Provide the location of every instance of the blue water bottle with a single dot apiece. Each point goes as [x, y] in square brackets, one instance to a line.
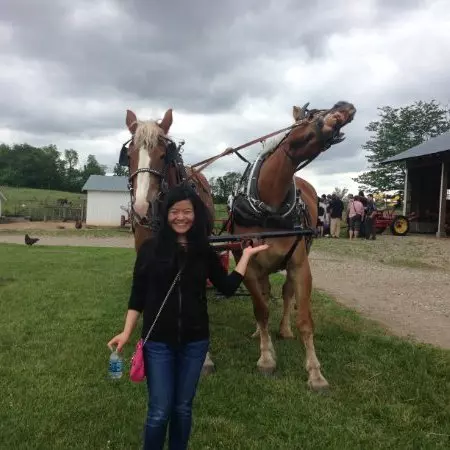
[115, 365]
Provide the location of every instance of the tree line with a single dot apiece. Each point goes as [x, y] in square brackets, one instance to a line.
[24, 165]
[396, 130]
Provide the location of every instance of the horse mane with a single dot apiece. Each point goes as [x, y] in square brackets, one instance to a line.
[147, 134]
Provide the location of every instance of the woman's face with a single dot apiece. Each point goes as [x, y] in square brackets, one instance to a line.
[181, 216]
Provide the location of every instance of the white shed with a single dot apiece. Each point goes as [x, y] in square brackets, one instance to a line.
[2, 199]
[105, 196]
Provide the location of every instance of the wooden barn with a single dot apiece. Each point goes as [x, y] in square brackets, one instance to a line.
[105, 197]
[427, 187]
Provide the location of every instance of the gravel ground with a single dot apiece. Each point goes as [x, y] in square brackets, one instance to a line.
[411, 302]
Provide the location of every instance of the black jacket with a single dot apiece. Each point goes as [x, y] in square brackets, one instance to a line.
[337, 208]
[184, 317]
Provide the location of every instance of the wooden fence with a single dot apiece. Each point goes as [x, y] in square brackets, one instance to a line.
[48, 212]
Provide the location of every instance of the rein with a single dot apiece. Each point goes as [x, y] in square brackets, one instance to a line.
[206, 162]
[230, 150]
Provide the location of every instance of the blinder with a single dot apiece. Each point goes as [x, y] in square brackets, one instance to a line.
[171, 152]
[124, 161]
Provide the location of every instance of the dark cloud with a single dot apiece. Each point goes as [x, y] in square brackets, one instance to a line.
[71, 69]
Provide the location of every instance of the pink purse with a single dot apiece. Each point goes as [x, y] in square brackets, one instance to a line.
[137, 368]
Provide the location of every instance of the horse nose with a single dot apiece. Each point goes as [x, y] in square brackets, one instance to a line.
[141, 208]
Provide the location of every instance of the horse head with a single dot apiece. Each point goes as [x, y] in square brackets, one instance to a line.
[315, 130]
[149, 157]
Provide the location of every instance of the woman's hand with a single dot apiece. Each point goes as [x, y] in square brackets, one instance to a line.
[250, 251]
[247, 254]
[120, 340]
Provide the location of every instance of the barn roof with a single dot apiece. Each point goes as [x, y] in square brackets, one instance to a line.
[438, 144]
[106, 183]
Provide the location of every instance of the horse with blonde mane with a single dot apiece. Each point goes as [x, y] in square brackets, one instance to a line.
[155, 166]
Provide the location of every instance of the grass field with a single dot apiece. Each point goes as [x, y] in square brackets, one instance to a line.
[60, 305]
[30, 197]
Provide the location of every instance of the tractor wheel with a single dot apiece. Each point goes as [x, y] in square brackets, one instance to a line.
[400, 226]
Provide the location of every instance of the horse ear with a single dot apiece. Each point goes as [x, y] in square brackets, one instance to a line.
[296, 112]
[131, 121]
[300, 113]
[166, 122]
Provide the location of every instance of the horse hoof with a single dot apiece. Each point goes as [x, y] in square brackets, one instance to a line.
[208, 370]
[266, 371]
[319, 385]
[286, 336]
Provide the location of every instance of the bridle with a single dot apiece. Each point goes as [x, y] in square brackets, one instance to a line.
[172, 159]
[317, 118]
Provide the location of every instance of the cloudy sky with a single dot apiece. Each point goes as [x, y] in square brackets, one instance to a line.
[230, 69]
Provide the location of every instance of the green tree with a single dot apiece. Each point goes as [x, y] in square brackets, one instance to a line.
[397, 130]
[120, 171]
[223, 186]
[73, 178]
[340, 193]
[72, 159]
[92, 167]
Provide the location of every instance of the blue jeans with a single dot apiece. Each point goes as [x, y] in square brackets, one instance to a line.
[172, 374]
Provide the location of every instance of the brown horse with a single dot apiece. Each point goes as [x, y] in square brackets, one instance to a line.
[316, 131]
[155, 165]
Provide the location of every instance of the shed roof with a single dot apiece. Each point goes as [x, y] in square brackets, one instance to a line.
[438, 144]
[106, 183]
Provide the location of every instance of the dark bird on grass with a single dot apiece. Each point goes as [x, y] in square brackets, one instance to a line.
[30, 241]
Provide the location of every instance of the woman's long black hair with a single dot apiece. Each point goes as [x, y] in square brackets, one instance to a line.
[166, 249]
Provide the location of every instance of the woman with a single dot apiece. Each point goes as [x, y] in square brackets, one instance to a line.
[355, 214]
[177, 346]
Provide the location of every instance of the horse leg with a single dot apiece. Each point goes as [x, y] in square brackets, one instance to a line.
[208, 365]
[256, 333]
[303, 287]
[266, 294]
[258, 290]
[288, 295]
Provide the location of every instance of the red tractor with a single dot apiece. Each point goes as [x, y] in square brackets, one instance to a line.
[398, 224]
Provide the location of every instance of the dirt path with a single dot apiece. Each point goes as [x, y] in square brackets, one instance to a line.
[411, 302]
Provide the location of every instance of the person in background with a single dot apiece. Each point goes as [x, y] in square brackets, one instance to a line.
[328, 202]
[355, 212]
[230, 202]
[336, 210]
[321, 211]
[363, 200]
[370, 213]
